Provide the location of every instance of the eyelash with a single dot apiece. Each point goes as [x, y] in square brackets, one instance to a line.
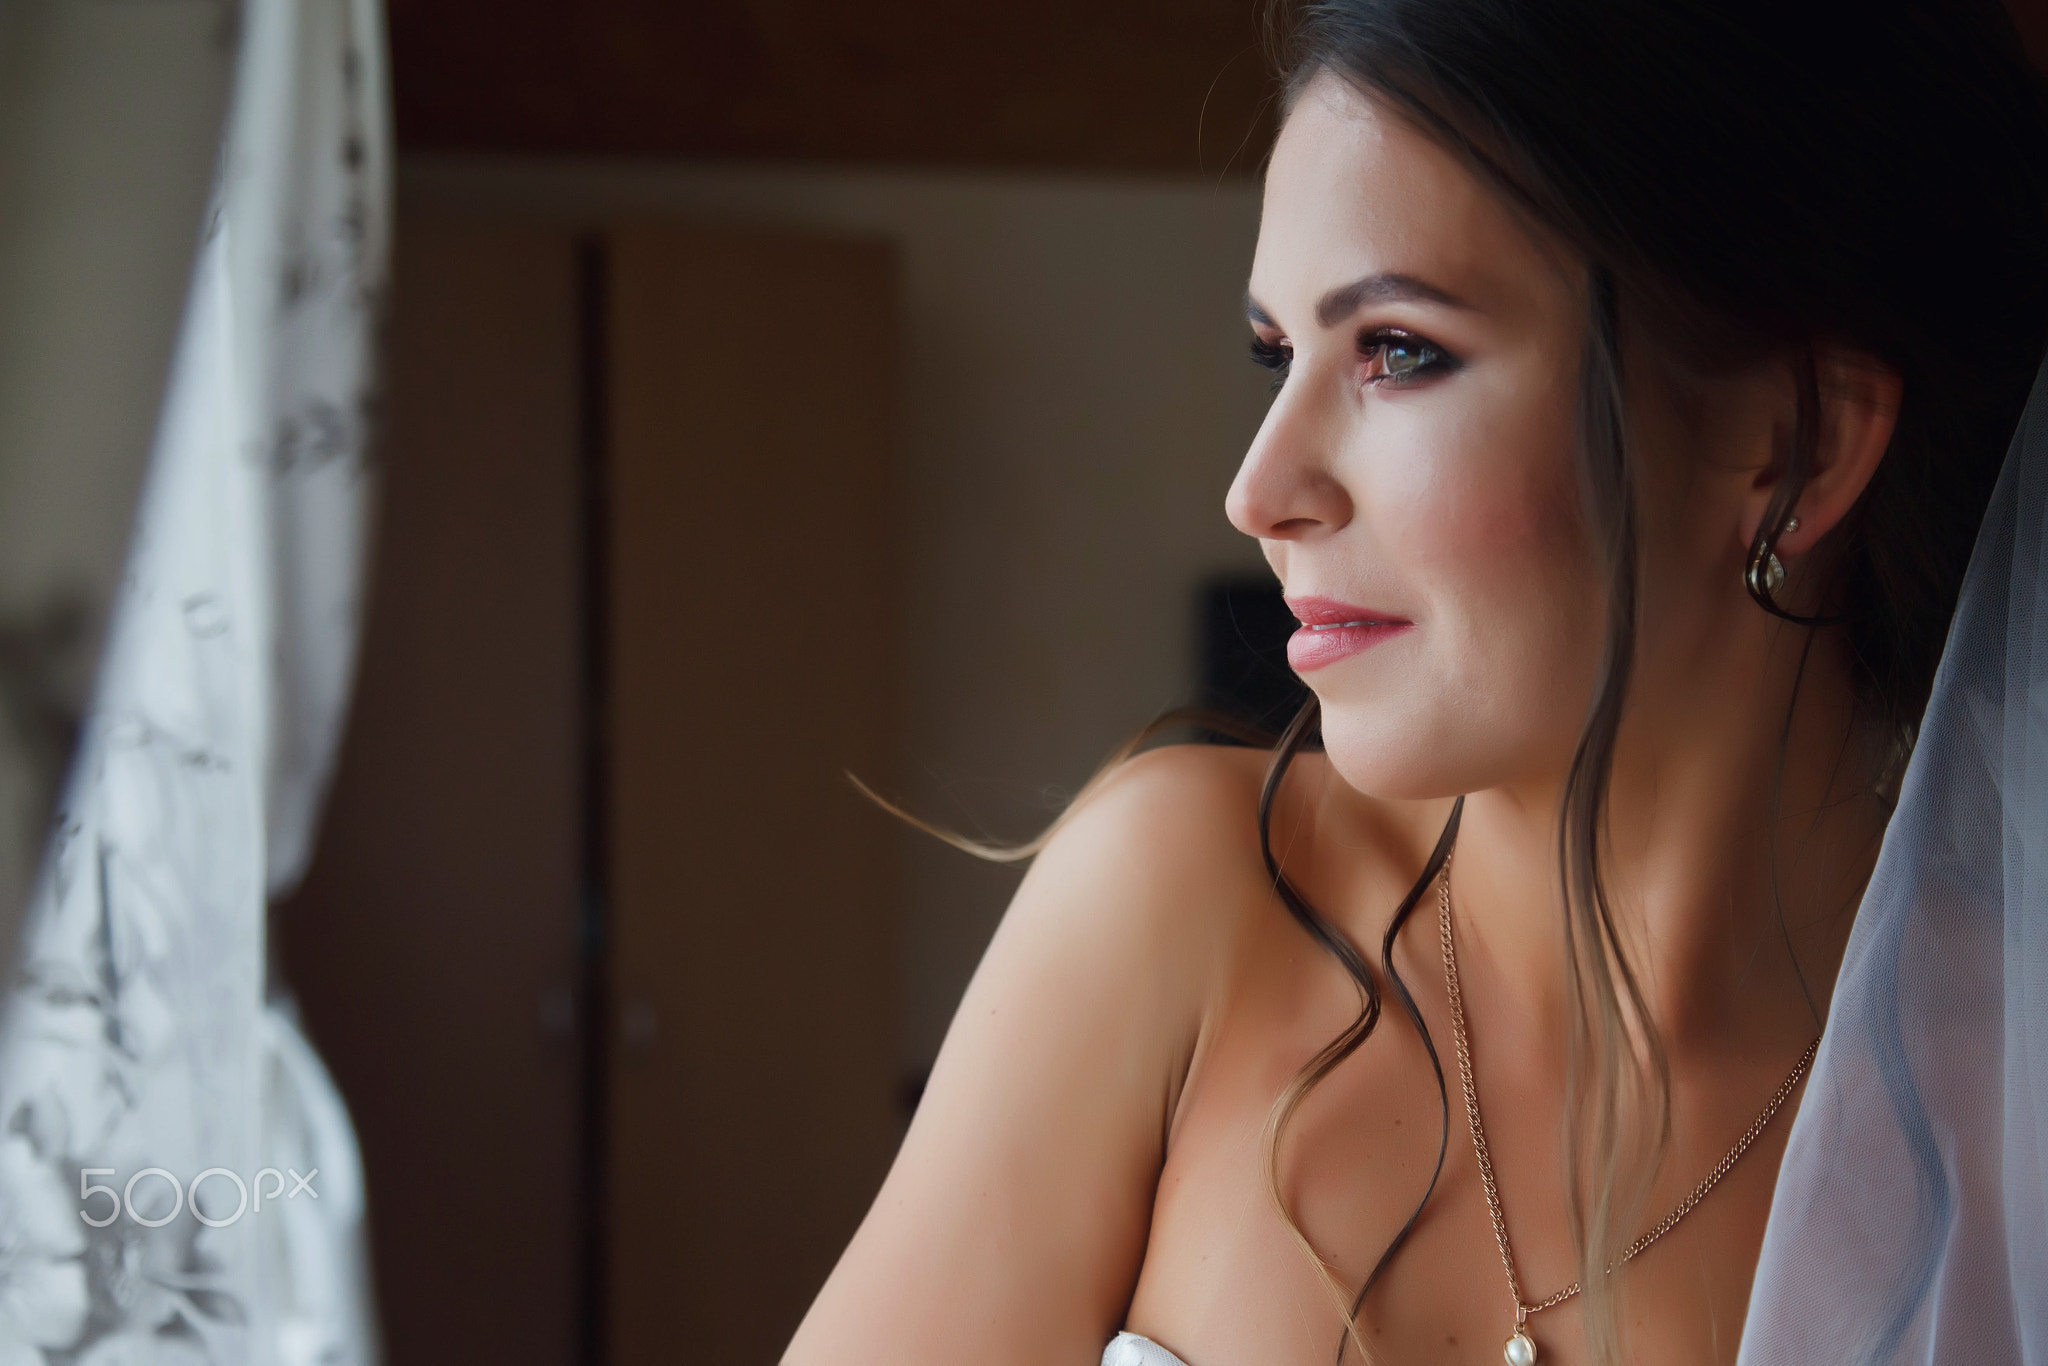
[1268, 356]
[1371, 346]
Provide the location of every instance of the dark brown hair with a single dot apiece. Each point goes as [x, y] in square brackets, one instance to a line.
[1742, 182]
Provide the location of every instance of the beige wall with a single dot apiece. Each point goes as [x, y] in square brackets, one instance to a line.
[110, 116]
[1076, 398]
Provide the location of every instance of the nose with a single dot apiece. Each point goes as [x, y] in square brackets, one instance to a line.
[1286, 489]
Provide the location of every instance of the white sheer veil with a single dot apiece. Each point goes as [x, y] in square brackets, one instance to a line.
[1910, 1223]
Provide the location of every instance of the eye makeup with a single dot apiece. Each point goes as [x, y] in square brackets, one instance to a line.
[1399, 357]
[1391, 355]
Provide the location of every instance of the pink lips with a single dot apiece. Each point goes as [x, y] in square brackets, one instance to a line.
[1332, 630]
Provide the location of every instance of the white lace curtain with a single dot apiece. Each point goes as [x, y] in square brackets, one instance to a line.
[178, 1180]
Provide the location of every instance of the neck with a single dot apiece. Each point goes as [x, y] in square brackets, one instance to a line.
[1741, 827]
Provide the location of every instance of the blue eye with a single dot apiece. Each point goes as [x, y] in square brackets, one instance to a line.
[1403, 357]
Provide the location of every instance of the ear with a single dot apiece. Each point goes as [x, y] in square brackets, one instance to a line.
[1859, 406]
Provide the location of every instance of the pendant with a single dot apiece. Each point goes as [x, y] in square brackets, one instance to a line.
[1520, 1349]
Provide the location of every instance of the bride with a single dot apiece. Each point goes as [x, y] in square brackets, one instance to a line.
[1642, 371]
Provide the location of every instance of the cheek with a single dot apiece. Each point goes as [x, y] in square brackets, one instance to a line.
[1511, 586]
[1478, 509]
[1485, 513]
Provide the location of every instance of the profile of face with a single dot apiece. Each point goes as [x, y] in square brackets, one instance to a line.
[1416, 472]
[1415, 485]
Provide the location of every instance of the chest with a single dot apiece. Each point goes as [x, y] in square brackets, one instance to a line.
[1230, 1280]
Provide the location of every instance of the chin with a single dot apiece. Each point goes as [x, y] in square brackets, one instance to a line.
[1398, 757]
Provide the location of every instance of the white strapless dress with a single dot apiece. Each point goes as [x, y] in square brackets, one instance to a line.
[1128, 1349]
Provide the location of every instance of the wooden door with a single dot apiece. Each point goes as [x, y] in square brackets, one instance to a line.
[659, 699]
[751, 907]
[433, 943]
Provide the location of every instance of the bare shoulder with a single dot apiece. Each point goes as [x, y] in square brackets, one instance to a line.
[1016, 1215]
[1164, 855]
[1133, 914]
[1176, 806]
[1166, 846]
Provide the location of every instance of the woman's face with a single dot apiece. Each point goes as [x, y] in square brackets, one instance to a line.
[1414, 485]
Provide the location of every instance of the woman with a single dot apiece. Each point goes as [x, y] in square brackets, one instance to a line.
[1642, 372]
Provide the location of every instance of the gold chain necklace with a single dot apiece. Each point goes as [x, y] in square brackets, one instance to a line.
[1520, 1349]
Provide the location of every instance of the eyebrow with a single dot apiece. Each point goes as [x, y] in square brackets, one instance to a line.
[1386, 287]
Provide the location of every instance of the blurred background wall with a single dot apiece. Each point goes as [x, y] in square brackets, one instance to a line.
[1073, 400]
